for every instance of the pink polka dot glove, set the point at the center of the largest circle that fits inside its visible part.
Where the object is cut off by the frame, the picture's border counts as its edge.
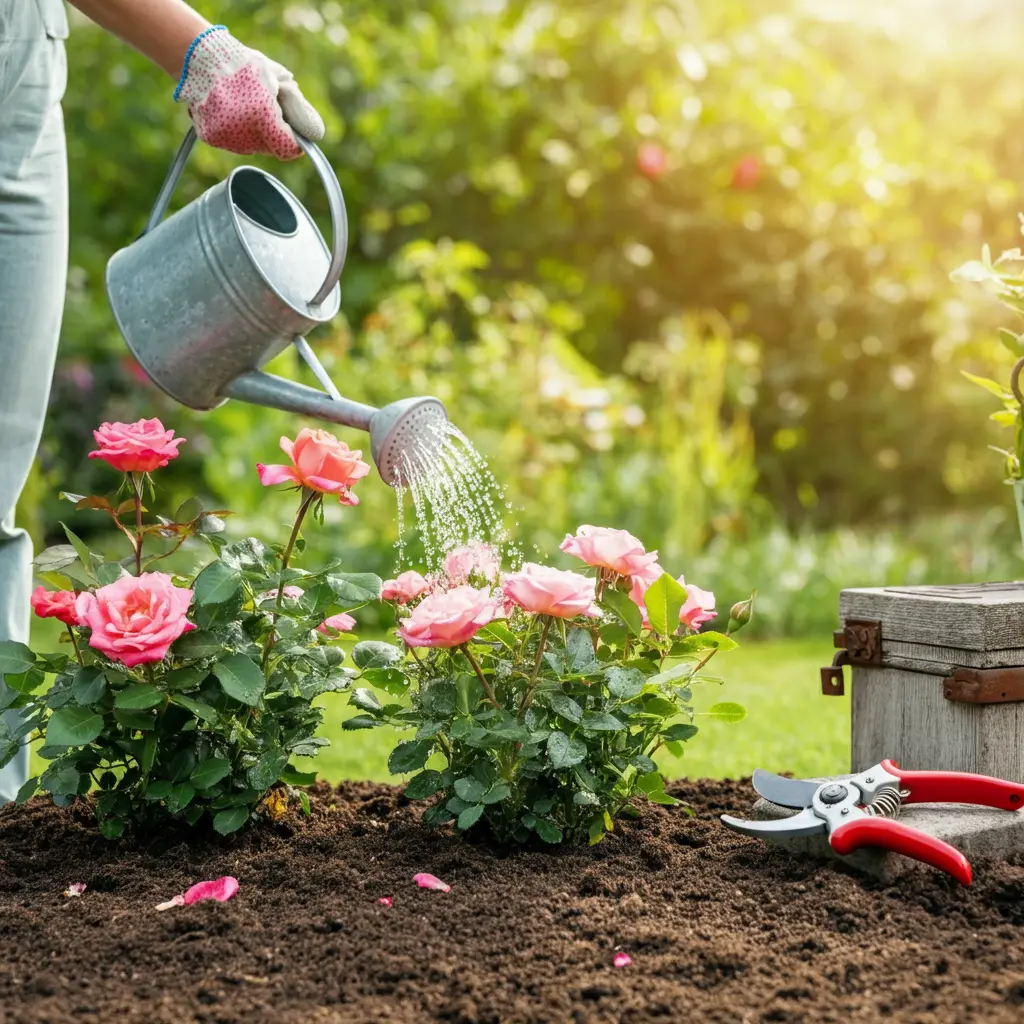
(241, 101)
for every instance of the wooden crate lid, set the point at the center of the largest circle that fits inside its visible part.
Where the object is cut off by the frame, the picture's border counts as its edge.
(935, 629)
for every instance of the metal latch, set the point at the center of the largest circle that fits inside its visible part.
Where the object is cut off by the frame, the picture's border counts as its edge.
(985, 685)
(859, 643)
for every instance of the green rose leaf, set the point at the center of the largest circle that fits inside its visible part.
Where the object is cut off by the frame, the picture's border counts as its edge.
(726, 711)
(159, 790)
(619, 602)
(565, 752)
(216, 584)
(500, 791)
(15, 658)
(427, 783)
(88, 686)
(601, 721)
(55, 558)
(209, 772)
(202, 711)
(470, 790)
(293, 777)
(180, 797)
(700, 642)
(409, 756)
(241, 678)
(361, 722)
(264, 773)
(112, 828)
(624, 683)
(376, 654)
(197, 644)
(365, 699)
(138, 697)
(470, 816)
(681, 731)
(73, 727)
(579, 648)
(663, 599)
(27, 791)
(354, 588)
(566, 707)
(548, 831)
(230, 820)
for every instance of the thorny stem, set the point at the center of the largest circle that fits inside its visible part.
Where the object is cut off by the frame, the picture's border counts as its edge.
(137, 494)
(479, 674)
(74, 643)
(528, 696)
(308, 497)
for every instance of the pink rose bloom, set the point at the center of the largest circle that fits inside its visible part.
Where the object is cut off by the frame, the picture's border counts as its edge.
(56, 604)
(138, 447)
(471, 559)
(449, 618)
(546, 591)
(606, 548)
(340, 623)
(699, 607)
(293, 592)
(135, 619)
(320, 462)
(651, 160)
(407, 587)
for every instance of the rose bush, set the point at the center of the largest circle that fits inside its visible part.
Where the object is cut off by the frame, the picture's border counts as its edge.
(539, 700)
(183, 698)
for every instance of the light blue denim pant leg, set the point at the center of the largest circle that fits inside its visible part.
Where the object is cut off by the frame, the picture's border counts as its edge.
(33, 267)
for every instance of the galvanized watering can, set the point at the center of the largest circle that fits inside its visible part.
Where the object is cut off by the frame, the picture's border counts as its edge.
(218, 289)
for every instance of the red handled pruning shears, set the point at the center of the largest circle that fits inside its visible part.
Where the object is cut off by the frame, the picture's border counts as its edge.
(860, 811)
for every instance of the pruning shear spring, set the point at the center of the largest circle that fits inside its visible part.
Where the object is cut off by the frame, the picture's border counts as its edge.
(860, 811)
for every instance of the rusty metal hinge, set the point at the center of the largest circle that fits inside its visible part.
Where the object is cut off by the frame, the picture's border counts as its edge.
(859, 643)
(985, 685)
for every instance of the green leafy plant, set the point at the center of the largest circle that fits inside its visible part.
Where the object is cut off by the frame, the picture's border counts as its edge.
(1004, 277)
(182, 698)
(539, 700)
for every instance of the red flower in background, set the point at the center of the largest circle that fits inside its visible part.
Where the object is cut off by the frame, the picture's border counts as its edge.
(651, 160)
(747, 172)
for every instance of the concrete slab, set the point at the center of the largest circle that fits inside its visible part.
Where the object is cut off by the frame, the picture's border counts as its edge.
(980, 833)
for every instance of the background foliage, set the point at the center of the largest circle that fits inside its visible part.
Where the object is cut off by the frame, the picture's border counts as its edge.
(751, 360)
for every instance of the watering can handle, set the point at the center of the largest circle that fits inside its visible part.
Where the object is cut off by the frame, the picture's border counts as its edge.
(335, 200)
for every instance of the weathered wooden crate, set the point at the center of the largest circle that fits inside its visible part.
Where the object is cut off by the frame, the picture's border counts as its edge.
(937, 675)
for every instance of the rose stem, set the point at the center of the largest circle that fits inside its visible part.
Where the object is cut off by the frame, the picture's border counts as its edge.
(479, 674)
(528, 696)
(137, 492)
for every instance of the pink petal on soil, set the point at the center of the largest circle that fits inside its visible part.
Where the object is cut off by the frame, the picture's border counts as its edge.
(622, 960)
(220, 889)
(385, 901)
(75, 889)
(174, 901)
(425, 881)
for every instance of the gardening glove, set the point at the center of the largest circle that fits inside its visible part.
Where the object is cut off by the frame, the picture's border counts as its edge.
(241, 101)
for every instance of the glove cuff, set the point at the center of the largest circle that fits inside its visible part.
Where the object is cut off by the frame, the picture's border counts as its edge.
(189, 53)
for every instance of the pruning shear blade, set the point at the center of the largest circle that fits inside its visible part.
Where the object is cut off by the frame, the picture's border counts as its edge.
(806, 823)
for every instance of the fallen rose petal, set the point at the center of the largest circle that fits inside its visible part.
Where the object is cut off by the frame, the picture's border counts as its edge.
(425, 881)
(219, 889)
(385, 901)
(176, 901)
(622, 960)
(75, 889)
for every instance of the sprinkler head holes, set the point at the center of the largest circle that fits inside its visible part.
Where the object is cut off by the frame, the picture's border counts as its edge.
(406, 437)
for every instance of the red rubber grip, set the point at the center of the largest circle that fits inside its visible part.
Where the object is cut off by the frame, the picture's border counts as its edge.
(958, 788)
(900, 838)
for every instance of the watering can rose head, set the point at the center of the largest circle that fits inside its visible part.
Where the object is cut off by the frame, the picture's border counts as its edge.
(320, 462)
(135, 620)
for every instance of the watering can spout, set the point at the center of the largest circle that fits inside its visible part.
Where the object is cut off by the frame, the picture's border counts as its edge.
(405, 436)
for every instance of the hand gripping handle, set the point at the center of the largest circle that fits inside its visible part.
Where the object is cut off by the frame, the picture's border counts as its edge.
(957, 788)
(900, 838)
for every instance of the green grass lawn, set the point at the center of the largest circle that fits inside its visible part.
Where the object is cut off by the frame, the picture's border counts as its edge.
(789, 726)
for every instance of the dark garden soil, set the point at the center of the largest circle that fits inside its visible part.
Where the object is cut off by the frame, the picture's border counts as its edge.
(720, 927)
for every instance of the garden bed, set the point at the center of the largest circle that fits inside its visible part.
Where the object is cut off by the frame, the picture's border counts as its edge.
(719, 926)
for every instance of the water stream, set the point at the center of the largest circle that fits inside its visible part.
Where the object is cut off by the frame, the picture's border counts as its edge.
(456, 499)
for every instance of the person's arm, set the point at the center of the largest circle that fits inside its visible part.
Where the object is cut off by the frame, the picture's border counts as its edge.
(161, 30)
(238, 99)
